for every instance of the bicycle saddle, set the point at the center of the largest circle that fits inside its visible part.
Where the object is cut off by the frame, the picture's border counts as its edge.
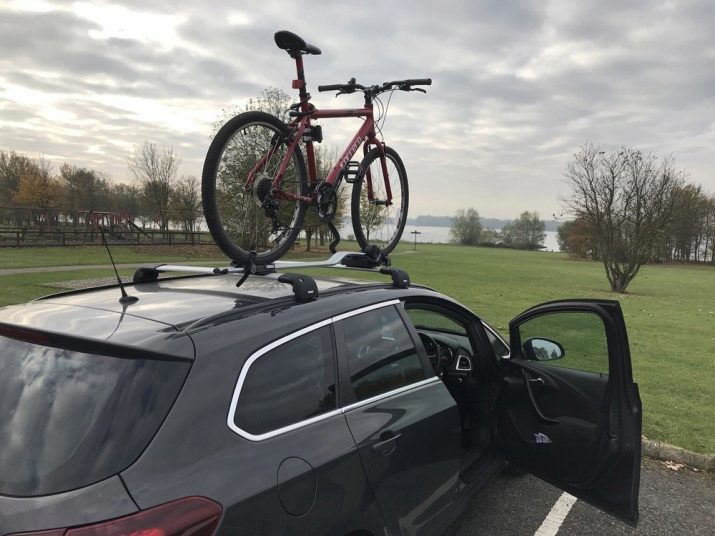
(294, 43)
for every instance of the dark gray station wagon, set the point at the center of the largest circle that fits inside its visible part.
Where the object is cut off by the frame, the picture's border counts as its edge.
(340, 408)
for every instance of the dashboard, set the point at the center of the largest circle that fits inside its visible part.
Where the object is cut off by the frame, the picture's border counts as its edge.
(448, 354)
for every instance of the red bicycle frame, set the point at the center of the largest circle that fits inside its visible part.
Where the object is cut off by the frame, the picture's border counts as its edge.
(364, 137)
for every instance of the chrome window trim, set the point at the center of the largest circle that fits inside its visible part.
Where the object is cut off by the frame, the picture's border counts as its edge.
(364, 310)
(230, 420)
(388, 394)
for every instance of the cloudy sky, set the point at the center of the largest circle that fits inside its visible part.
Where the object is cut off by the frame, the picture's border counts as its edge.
(518, 86)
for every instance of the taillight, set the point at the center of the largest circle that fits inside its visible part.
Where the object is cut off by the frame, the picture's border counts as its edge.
(191, 516)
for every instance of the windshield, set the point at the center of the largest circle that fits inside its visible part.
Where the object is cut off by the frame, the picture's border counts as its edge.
(69, 419)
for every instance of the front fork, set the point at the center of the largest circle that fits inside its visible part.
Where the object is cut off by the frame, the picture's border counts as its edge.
(368, 175)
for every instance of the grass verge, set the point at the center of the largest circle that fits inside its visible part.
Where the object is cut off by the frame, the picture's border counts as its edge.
(669, 311)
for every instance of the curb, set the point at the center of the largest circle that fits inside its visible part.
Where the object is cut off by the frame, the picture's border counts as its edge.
(664, 452)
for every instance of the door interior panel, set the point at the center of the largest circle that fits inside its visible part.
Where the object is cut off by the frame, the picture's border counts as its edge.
(574, 402)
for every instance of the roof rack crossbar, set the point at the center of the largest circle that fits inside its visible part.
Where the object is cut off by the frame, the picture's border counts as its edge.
(368, 260)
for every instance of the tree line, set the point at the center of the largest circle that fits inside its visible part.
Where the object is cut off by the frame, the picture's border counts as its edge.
(525, 232)
(37, 194)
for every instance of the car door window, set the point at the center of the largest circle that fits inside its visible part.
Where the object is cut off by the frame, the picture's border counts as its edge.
(569, 339)
(288, 384)
(381, 355)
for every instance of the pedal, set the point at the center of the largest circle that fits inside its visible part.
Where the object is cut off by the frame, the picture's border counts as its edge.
(351, 171)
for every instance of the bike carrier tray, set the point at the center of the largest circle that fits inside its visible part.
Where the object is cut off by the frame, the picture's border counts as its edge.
(343, 259)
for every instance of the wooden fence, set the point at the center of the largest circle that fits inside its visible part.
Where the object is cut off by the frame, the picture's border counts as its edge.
(68, 236)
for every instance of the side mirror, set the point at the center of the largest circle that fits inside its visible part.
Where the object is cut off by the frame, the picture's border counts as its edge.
(536, 349)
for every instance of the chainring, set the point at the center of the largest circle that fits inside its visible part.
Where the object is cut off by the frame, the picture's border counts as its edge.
(326, 201)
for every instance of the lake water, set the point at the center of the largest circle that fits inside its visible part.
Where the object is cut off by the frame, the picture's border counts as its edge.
(440, 235)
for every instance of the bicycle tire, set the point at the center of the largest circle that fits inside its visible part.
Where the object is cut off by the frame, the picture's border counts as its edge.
(234, 215)
(384, 223)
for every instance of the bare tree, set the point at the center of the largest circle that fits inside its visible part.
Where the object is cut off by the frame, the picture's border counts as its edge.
(185, 203)
(155, 168)
(625, 197)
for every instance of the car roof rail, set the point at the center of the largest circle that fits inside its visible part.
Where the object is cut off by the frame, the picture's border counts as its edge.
(367, 260)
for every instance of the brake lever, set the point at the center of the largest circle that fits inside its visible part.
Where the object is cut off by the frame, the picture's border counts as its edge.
(418, 89)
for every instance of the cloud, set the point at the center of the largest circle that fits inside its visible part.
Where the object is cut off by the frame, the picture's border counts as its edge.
(518, 86)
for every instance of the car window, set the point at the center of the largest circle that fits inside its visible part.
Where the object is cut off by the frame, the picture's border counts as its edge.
(380, 353)
(288, 384)
(580, 337)
(432, 320)
(500, 349)
(436, 322)
(69, 419)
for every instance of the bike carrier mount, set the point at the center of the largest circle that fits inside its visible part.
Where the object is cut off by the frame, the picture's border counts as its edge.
(304, 287)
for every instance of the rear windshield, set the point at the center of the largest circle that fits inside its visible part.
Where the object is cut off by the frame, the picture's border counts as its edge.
(69, 419)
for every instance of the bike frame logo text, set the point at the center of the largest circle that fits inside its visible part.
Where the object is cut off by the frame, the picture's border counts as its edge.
(351, 151)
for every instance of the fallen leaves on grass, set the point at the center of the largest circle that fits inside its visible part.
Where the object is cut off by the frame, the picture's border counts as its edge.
(673, 466)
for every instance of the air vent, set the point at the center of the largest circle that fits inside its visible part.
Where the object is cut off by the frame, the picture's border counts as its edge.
(464, 364)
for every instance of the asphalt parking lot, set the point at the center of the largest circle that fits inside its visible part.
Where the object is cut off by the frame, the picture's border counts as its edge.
(671, 503)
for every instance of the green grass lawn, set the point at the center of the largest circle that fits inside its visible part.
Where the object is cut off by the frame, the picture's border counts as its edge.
(669, 311)
(84, 255)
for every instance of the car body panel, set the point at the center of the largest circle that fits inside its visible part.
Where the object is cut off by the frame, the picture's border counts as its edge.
(418, 475)
(207, 458)
(104, 500)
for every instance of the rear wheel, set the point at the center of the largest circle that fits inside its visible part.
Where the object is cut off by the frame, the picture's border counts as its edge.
(375, 220)
(242, 217)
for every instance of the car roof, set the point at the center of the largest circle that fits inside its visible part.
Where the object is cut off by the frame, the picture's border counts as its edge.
(169, 307)
(180, 301)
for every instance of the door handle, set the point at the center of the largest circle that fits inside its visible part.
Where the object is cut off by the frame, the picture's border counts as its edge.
(543, 418)
(387, 443)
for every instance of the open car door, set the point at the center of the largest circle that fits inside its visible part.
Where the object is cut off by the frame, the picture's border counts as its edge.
(571, 414)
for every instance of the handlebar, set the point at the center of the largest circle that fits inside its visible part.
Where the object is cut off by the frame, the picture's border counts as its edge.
(404, 85)
(417, 82)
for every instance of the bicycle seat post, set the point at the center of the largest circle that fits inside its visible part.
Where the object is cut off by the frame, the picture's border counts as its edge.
(299, 83)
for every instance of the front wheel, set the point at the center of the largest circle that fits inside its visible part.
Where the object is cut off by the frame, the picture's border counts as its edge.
(379, 218)
(244, 216)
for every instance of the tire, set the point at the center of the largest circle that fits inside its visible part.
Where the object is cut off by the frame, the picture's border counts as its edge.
(234, 216)
(379, 224)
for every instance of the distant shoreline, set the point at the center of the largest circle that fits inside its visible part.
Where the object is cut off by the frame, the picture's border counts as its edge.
(487, 223)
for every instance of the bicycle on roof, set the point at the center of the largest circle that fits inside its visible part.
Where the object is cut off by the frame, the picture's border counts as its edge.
(256, 186)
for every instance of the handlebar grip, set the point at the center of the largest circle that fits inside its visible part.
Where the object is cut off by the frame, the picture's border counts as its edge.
(331, 87)
(419, 82)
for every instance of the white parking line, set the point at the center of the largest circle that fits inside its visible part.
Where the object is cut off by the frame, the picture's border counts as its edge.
(558, 513)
